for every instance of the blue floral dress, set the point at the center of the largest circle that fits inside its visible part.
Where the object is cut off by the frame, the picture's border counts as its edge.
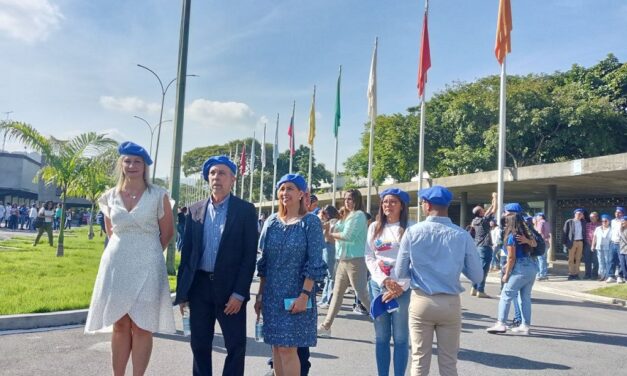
(290, 253)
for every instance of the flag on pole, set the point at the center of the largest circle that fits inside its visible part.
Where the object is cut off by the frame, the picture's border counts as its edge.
(263, 148)
(290, 132)
(503, 44)
(425, 56)
(312, 119)
(336, 125)
(242, 161)
(372, 86)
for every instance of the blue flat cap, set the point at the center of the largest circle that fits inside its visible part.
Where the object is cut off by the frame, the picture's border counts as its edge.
(437, 195)
(296, 179)
(578, 210)
(401, 194)
(378, 307)
(605, 216)
(216, 160)
(131, 148)
(513, 207)
(620, 209)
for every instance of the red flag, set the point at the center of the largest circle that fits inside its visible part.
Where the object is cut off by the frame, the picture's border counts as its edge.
(425, 57)
(290, 132)
(242, 161)
(503, 43)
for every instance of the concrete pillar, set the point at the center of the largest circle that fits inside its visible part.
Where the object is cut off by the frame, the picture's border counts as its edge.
(463, 209)
(550, 208)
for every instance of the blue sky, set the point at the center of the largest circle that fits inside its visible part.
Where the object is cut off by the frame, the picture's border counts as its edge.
(69, 66)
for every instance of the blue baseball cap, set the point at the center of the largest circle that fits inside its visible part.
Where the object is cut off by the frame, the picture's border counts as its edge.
(379, 307)
(131, 148)
(513, 207)
(401, 194)
(437, 195)
(296, 179)
(216, 160)
(620, 209)
(578, 210)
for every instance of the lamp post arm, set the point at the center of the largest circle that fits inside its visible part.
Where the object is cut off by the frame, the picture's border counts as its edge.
(156, 75)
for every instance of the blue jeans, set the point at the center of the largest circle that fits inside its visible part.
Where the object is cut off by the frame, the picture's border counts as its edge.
(328, 255)
(520, 281)
(392, 325)
(623, 263)
(542, 266)
(604, 261)
(614, 261)
(516, 302)
(485, 254)
(496, 251)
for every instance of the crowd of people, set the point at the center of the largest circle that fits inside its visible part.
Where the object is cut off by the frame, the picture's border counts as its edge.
(23, 217)
(406, 275)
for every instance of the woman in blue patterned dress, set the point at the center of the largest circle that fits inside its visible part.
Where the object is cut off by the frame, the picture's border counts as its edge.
(291, 242)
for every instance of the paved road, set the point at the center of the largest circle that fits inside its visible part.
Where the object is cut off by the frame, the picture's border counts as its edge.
(569, 338)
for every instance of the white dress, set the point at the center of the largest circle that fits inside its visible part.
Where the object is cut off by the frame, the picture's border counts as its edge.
(132, 277)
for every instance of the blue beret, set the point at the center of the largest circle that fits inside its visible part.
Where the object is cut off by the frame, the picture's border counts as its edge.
(513, 207)
(296, 179)
(437, 195)
(378, 307)
(605, 216)
(216, 160)
(540, 214)
(578, 210)
(620, 209)
(131, 148)
(401, 194)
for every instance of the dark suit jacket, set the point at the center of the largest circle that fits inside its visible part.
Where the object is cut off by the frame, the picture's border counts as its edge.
(568, 235)
(237, 253)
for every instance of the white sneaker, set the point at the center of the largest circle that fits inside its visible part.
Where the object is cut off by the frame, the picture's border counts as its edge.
(620, 280)
(522, 329)
(324, 332)
(610, 280)
(323, 305)
(498, 328)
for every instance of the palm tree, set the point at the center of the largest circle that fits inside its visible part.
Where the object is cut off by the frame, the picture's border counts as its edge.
(61, 158)
(94, 177)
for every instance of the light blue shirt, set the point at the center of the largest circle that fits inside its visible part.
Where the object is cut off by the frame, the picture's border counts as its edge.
(215, 219)
(434, 253)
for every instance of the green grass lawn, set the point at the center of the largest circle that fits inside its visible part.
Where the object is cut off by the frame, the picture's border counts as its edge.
(33, 279)
(613, 291)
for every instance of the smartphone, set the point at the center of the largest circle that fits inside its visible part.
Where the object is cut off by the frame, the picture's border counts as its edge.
(287, 303)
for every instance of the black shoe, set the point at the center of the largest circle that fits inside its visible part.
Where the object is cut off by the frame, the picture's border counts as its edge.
(586, 277)
(515, 324)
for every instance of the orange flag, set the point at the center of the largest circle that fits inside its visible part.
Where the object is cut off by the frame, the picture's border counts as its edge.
(503, 44)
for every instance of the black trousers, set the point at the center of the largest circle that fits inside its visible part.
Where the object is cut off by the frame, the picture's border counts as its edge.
(303, 356)
(203, 315)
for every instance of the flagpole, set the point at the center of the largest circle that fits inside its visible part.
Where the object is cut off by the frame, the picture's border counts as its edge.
(502, 138)
(336, 131)
(275, 157)
(372, 96)
(243, 170)
(263, 166)
(252, 168)
(312, 118)
(422, 84)
(234, 189)
(292, 146)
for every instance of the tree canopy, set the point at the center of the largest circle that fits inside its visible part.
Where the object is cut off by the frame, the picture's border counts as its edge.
(580, 113)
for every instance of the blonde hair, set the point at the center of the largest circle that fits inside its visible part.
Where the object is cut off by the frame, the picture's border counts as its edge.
(302, 210)
(120, 177)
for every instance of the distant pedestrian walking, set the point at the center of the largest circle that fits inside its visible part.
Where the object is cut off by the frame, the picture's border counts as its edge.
(47, 213)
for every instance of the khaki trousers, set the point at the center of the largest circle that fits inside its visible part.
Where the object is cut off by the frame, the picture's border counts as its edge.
(353, 272)
(574, 257)
(440, 314)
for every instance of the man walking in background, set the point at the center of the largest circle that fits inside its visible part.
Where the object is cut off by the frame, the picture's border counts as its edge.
(483, 241)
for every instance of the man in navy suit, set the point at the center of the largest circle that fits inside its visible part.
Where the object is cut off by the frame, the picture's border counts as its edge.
(217, 265)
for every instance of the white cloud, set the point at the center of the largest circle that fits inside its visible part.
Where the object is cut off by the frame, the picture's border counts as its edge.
(220, 114)
(128, 104)
(29, 20)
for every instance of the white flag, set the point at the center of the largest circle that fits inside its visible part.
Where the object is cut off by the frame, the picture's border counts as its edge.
(263, 148)
(372, 86)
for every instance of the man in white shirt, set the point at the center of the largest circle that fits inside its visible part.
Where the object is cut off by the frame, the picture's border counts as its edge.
(615, 245)
(32, 214)
(2, 212)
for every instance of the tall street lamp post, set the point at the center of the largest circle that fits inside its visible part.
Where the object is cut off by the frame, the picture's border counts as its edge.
(152, 129)
(164, 90)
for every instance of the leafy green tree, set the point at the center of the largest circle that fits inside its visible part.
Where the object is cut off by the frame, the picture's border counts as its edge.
(62, 159)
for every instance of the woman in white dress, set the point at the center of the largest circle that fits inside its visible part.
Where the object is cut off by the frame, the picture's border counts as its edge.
(131, 295)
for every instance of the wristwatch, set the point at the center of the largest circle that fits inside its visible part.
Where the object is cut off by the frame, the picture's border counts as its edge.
(306, 292)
